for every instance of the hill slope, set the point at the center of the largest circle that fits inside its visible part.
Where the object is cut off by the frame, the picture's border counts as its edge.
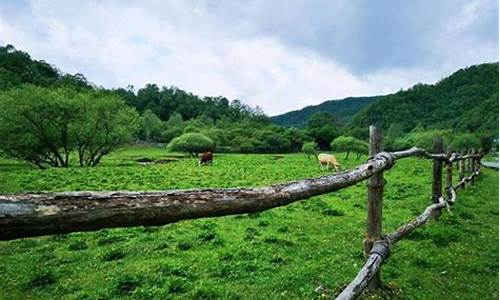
(343, 109)
(466, 100)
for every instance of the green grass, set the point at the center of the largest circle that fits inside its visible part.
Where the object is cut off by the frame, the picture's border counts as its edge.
(283, 253)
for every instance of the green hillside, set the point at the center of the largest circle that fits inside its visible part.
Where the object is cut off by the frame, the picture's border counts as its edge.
(466, 100)
(343, 110)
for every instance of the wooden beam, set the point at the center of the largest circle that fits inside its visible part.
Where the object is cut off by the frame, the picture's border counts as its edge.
(437, 173)
(374, 201)
(25, 215)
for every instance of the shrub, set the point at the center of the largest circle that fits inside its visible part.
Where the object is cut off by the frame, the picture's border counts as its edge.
(41, 279)
(465, 141)
(309, 149)
(349, 144)
(115, 254)
(423, 138)
(127, 284)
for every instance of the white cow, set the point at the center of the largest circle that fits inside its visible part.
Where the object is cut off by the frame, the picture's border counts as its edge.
(329, 161)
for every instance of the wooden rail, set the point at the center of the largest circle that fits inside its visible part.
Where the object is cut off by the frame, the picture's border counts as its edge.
(369, 275)
(25, 215)
(28, 215)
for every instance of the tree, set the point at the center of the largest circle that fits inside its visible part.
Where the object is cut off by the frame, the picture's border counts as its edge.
(322, 127)
(36, 125)
(271, 142)
(296, 138)
(44, 126)
(423, 138)
(395, 131)
(106, 123)
(217, 135)
(465, 141)
(151, 126)
(349, 144)
(309, 149)
(192, 143)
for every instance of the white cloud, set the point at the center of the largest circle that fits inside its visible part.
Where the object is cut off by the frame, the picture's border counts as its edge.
(116, 43)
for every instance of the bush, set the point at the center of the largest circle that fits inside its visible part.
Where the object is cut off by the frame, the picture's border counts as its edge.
(41, 279)
(349, 144)
(423, 138)
(127, 284)
(192, 143)
(309, 148)
(171, 133)
(465, 141)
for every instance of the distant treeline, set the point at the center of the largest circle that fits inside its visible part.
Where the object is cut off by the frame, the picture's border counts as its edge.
(465, 102)
(462, 107)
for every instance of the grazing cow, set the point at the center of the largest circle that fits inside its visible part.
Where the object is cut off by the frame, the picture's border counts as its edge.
(206, 158)
(329, 161)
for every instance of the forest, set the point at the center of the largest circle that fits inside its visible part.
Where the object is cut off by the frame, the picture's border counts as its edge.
(461, 108)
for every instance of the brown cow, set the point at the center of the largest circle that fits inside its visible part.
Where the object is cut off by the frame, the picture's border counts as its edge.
(206, 158)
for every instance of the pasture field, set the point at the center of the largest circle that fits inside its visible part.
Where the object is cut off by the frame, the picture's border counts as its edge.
(283, 253)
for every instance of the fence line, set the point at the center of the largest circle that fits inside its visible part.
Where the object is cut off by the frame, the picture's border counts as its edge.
(369, 275)
(28, 215)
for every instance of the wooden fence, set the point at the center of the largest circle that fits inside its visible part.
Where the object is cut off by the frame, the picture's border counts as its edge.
(28, 215)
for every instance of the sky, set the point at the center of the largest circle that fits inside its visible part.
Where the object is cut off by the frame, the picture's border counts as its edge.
(279, 55)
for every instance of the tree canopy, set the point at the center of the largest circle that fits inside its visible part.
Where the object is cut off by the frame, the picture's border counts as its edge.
(349, 144)
(43, 126)
(192, 143)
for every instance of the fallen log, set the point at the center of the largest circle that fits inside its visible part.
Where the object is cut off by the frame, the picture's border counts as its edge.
(26, 215)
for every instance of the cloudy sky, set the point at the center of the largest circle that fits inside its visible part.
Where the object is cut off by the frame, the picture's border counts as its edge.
(279, 55)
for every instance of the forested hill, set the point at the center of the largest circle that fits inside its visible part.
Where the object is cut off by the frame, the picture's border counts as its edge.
(343, 110)
(18, 68)
(466, 100)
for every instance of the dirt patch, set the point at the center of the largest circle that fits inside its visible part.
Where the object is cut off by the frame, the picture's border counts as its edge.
(166, 160)
(147, 161)
(144, 160)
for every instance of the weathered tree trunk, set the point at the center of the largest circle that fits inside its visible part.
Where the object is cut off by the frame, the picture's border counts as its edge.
(27, 215)
(472, 163)
(375, 201)
(461, 170)
(437, 174)
(449, 172)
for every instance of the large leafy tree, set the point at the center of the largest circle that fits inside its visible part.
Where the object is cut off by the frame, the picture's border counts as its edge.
(192, 143)
(106, 124)
(323, 128)
(151, 126)
(44, 126)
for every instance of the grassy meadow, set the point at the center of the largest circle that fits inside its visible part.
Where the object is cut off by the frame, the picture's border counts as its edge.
(283, 253)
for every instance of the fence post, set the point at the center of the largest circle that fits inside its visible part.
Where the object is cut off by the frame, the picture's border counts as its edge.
(461, 169)
(472, 167)
(437, 173)
(374, 205)
(478, 160)
(449, 172)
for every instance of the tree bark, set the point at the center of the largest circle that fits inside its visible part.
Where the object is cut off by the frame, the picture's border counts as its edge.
(437, 174)
(27, 215)
(374, 201)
